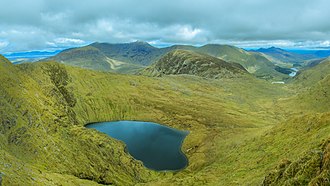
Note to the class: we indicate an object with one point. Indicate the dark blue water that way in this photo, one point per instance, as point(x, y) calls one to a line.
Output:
point(157, 146)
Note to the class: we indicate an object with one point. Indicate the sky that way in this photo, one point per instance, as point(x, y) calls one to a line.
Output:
point(58, 24)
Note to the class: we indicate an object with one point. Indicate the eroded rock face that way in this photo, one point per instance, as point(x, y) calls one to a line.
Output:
point(313, 168)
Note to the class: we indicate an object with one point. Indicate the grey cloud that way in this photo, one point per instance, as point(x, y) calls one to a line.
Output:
point(41, 24)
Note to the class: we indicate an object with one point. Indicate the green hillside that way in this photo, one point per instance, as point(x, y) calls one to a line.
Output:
point(42, 141)
point(90, 57)
point(243, 130)
point(85, 57)
point(254, 63)
point(308, 76)
point(314, 90)
point(130, 57)
point(192, 63)
point(139, 53)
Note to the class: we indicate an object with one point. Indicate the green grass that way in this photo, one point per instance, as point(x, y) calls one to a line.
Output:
point(240, 128)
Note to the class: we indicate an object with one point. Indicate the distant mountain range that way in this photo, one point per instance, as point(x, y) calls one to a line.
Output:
point(266, 63)
point(132, 57)
point(30, 56)
point(285, 56)
point(293, 56)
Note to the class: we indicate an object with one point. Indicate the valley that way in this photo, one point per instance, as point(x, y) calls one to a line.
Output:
point(244, 130)
point(164, 93)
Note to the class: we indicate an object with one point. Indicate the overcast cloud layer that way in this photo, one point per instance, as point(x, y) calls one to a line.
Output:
point(50, 25)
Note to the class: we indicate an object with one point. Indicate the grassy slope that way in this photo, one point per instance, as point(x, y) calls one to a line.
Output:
point(232, 139)
point(188, 62)
point(294, 151)
point(313, 90)
point(254, 62)
point(85, 57)
point(206, 108)
point(90, 57)
point(40, 134)
point(139, 53)
point(309, 76)
point(130, 57)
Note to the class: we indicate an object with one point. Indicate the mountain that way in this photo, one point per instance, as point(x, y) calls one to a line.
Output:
point(316, 72)
point(91, 57)
point(122, 57)
point(30, 56)
point(312, 102)
point(285, 56)
point(243, 131)
point(138, 52)
point(314, 83)
point(192, 63)
point(253, 62)
point(130, 57)
point(313, 62)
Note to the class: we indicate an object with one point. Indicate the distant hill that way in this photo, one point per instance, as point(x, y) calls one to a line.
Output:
point(313, 84)
point(192, 63)
point(253, 62)
point(130, 57)
point(122, 57)
point(309, 76)
point(30, 56)
point(313, 62)
point(286, 56)
point(91, 57)
point(140, 53)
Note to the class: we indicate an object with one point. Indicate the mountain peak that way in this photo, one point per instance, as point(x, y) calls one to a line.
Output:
point(270, 49)
point(140, 42)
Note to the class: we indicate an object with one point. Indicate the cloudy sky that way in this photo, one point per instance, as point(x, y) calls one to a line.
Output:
point(57, 24)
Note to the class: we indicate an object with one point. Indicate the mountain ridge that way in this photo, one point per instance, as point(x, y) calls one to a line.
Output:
point(142, 54)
